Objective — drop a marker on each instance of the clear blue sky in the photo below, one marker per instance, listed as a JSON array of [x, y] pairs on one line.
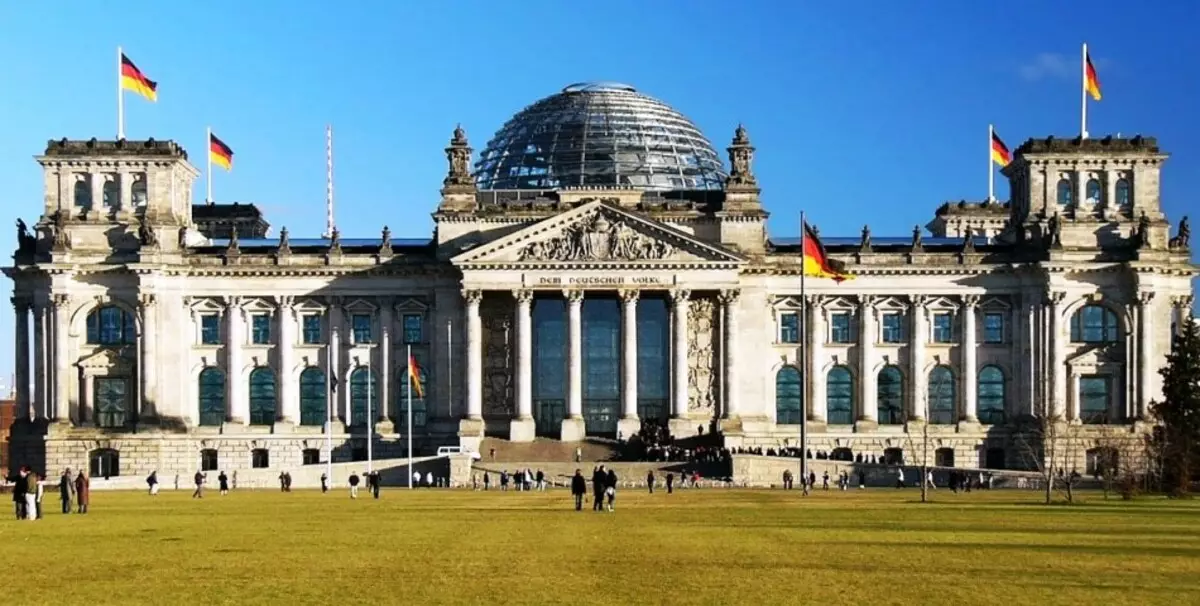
[[859, 110]]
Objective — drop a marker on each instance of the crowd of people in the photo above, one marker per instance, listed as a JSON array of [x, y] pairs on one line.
[[654, 443], [29, 487]]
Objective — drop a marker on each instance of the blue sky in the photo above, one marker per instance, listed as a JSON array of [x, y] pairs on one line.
[[858, 109]]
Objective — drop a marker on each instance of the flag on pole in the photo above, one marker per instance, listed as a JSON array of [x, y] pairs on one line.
[[414, 375], [1091, 83], [219, 153], [816, 262], [133, 79], [1000, 153]]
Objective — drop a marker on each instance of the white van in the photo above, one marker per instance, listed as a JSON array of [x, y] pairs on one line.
[[445, 451]]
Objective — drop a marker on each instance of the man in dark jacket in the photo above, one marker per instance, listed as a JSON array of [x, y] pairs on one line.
[[578, 489], [610, 487], [66, 490], [18, 492], [598, 480]]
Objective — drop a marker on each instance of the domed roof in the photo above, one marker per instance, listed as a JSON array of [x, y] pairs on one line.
[[599, 133]]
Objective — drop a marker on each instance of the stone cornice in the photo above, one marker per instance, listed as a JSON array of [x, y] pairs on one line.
[[604, 265]]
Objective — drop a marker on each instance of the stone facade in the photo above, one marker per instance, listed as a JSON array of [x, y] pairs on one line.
[[156, 342]]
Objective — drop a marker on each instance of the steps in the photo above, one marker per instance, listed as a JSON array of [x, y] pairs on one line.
[[547, 450]]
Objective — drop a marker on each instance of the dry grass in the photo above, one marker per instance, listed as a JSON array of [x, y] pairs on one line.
[[694, 547]]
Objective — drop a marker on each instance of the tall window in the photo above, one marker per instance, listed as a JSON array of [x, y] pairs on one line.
[[789, 327], [412, 328], [311, 456], [212, 396], [1095, 399], [313, 397], [138, 191], [943, 328], [1094, 324], [839, 396], [209, 459], [1124, 193], [418, 397], [941, 395], [111, 325], [362, 383], [260, 329], [210, 329], [990, 398], [1065, 192], [893, 328], [312, 329], [111, 400], [1093, 193], [361, 325], [890, 396], [787, 396], [262, 396], [83, 193], [104, 463], [112, 194], [840, 328], [993, 327], [260, 458]]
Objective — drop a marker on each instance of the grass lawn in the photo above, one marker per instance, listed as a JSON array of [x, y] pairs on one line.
[[876, 547]]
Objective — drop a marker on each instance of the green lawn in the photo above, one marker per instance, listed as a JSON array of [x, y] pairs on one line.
[[876, 548]]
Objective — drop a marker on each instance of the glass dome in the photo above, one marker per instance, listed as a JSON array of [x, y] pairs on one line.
[[599, 133]]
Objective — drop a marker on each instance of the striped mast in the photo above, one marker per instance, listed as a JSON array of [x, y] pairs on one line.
[[1083, 133], [408, 427], [329, 226], [120, 95], [803, 359]]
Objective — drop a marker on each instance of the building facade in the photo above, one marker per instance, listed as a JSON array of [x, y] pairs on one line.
[[597, 269]]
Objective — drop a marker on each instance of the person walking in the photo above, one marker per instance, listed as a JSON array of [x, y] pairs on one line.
[[18, 493], [599, 478], [650, 481], [353, 485], [610, 488], [375, 482], [66, 490], [324, 483], [223, 483], [152, 482], [31, 489], [83, 492], [578, 489], [670, 483], [41, 491], [198, 479], [899, 478]]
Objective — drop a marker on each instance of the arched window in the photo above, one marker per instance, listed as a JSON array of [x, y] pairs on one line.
[[212, 396], [1094, 324], [104, 463], [1065, 192], [111, 325], [990, 396], [839, 396], [1124, 193], [83, 193], [362, 383], [941, 396], [787, 396], [841, 454], [1093, 192], [262, 396], [418, 398], [890, 396], [313, 397], [138, 192], [112, 194]]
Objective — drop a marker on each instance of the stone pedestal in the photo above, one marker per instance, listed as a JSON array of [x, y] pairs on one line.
[[470, 434], [628, 428], [862, 425], [522, 430], [572, 429], [386, 426], [686, 428], [969, 426]]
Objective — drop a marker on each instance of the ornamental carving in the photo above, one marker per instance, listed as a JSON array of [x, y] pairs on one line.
[[498, 369], [702, 358], [598, 238]]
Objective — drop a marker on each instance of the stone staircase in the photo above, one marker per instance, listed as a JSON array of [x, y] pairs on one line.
[[559, 473], [545, 450]]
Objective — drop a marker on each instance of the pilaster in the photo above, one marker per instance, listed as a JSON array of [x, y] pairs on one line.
[[818, 412], [917, 380], [286, 342], [868, 417], [679, 353], [149, 359], [21, 306], [573, 428], [239, 413], [62, 368], [1146, 354], [1058, 365], [629, 424], [969, 370], [522, 428]]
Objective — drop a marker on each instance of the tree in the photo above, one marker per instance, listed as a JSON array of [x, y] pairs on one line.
[[1049, 444], [1175, 443]]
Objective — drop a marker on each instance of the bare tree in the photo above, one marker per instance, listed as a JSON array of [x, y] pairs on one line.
[[1050, 444]]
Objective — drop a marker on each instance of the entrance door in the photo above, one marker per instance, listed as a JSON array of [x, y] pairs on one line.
[[112, 401], [550, 414], [600, 417]]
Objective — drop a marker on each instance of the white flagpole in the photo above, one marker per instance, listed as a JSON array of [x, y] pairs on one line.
[[330, 401], [1083, 133], [208, 199], [803, 363], [991, 169], [370, 422], [408, 427], [120, 96]]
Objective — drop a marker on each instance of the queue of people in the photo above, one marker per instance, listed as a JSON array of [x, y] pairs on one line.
[[29, 488]]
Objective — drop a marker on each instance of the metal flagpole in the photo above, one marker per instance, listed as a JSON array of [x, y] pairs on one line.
[[991, 169], [1083, 94], [120, 96], [370, 421], [450, 367], [803, 361], [208, 199], [408, 427], [330, 401]]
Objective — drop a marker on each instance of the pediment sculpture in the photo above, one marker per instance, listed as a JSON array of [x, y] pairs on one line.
[[598, 238]]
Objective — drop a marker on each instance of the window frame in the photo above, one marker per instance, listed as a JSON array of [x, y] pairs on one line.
[[216, 329], [260, 458], [892, 334], [357, 331], [1104, 417], [1064, 189], [268, 387], [987, 338], [848, 398], [835, 318], [408, 332], [1107, 322], [942, 334], [793, 412], [989, 415], [307, 332], [789, 327], [896, 417], [942, 389], [260, 328]]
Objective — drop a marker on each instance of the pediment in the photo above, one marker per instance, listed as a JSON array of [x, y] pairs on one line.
[[106, 361], [1097, 356], [597, 233]]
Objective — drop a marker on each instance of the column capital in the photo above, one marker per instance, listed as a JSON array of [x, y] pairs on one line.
[[472, 296], [970, 301], [334, 301], [1145, 297], [1055, 297], [865, 301], [573, 296], [629, 295], [1182, 301], [147, 299], [233, 302], [729, 296], [523, 296], [680, 296], [285, 302], [814, 301], [60, 300], [918, 301], [22, 304]]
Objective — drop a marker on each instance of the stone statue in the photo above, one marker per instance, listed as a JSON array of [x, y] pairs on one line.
[[1143, 231], [459, 157], [1183, 236], [865, 245], [597, 238], [335, 241], [741, 155], [233, 247], [62, 239], [385, 247], [25, 241], [285, 243], [147, 236], [182, 237], [1054, 231], [916, 237]]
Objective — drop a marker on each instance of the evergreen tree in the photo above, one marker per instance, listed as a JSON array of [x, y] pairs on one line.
[[1176, 442]]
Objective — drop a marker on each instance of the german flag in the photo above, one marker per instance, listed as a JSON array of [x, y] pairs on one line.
[[133, 79], [1000, 153], [414, 377], [1090, 82], [816, 262], [219, 153]]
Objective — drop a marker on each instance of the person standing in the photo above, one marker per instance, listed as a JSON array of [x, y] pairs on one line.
[[375, 483], [324, 483], [41, 491], [650, 481], [487, 481], [31, 489], [223, 483], [152, 482], [578, 489], [18, 488], [899, 478], [66, 490], [83, 492], [610, 487], [670, 483], [199, 480], [353, 485], [599, 478]]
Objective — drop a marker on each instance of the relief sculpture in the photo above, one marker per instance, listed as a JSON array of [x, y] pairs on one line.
[[598, 238], [702, 358], [496, 313]]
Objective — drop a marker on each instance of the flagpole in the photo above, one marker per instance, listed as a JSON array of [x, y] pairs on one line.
[[120, 97], [208, 199], [991, 169], [408, 427], [370, 422], [803, 363], [450, 367], [1083, 134], [330, 400]]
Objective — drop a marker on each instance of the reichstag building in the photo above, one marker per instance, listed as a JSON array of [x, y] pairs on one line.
[[597, 265]]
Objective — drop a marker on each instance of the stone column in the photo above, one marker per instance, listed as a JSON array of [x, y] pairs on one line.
[[629, 423], [149, 370], [239, 413], [385, 411], [1058, 366], [573, 427], [729, 303], [869, 415], [817, 402], [289, 381], [62, 366], [1146, 370], [474, 356], [969, 370], [21, 357], [41, 397], [523, 428], [336, 373], [918, 382], [679, 354]]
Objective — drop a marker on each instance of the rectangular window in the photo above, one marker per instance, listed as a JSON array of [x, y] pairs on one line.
[[260, 329], [312, 329], [993, 327], [893, 328], [1095, 396], [840, 328], [412, 328], [361, 324], [210, 329], [789, 327], [943, 328]]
